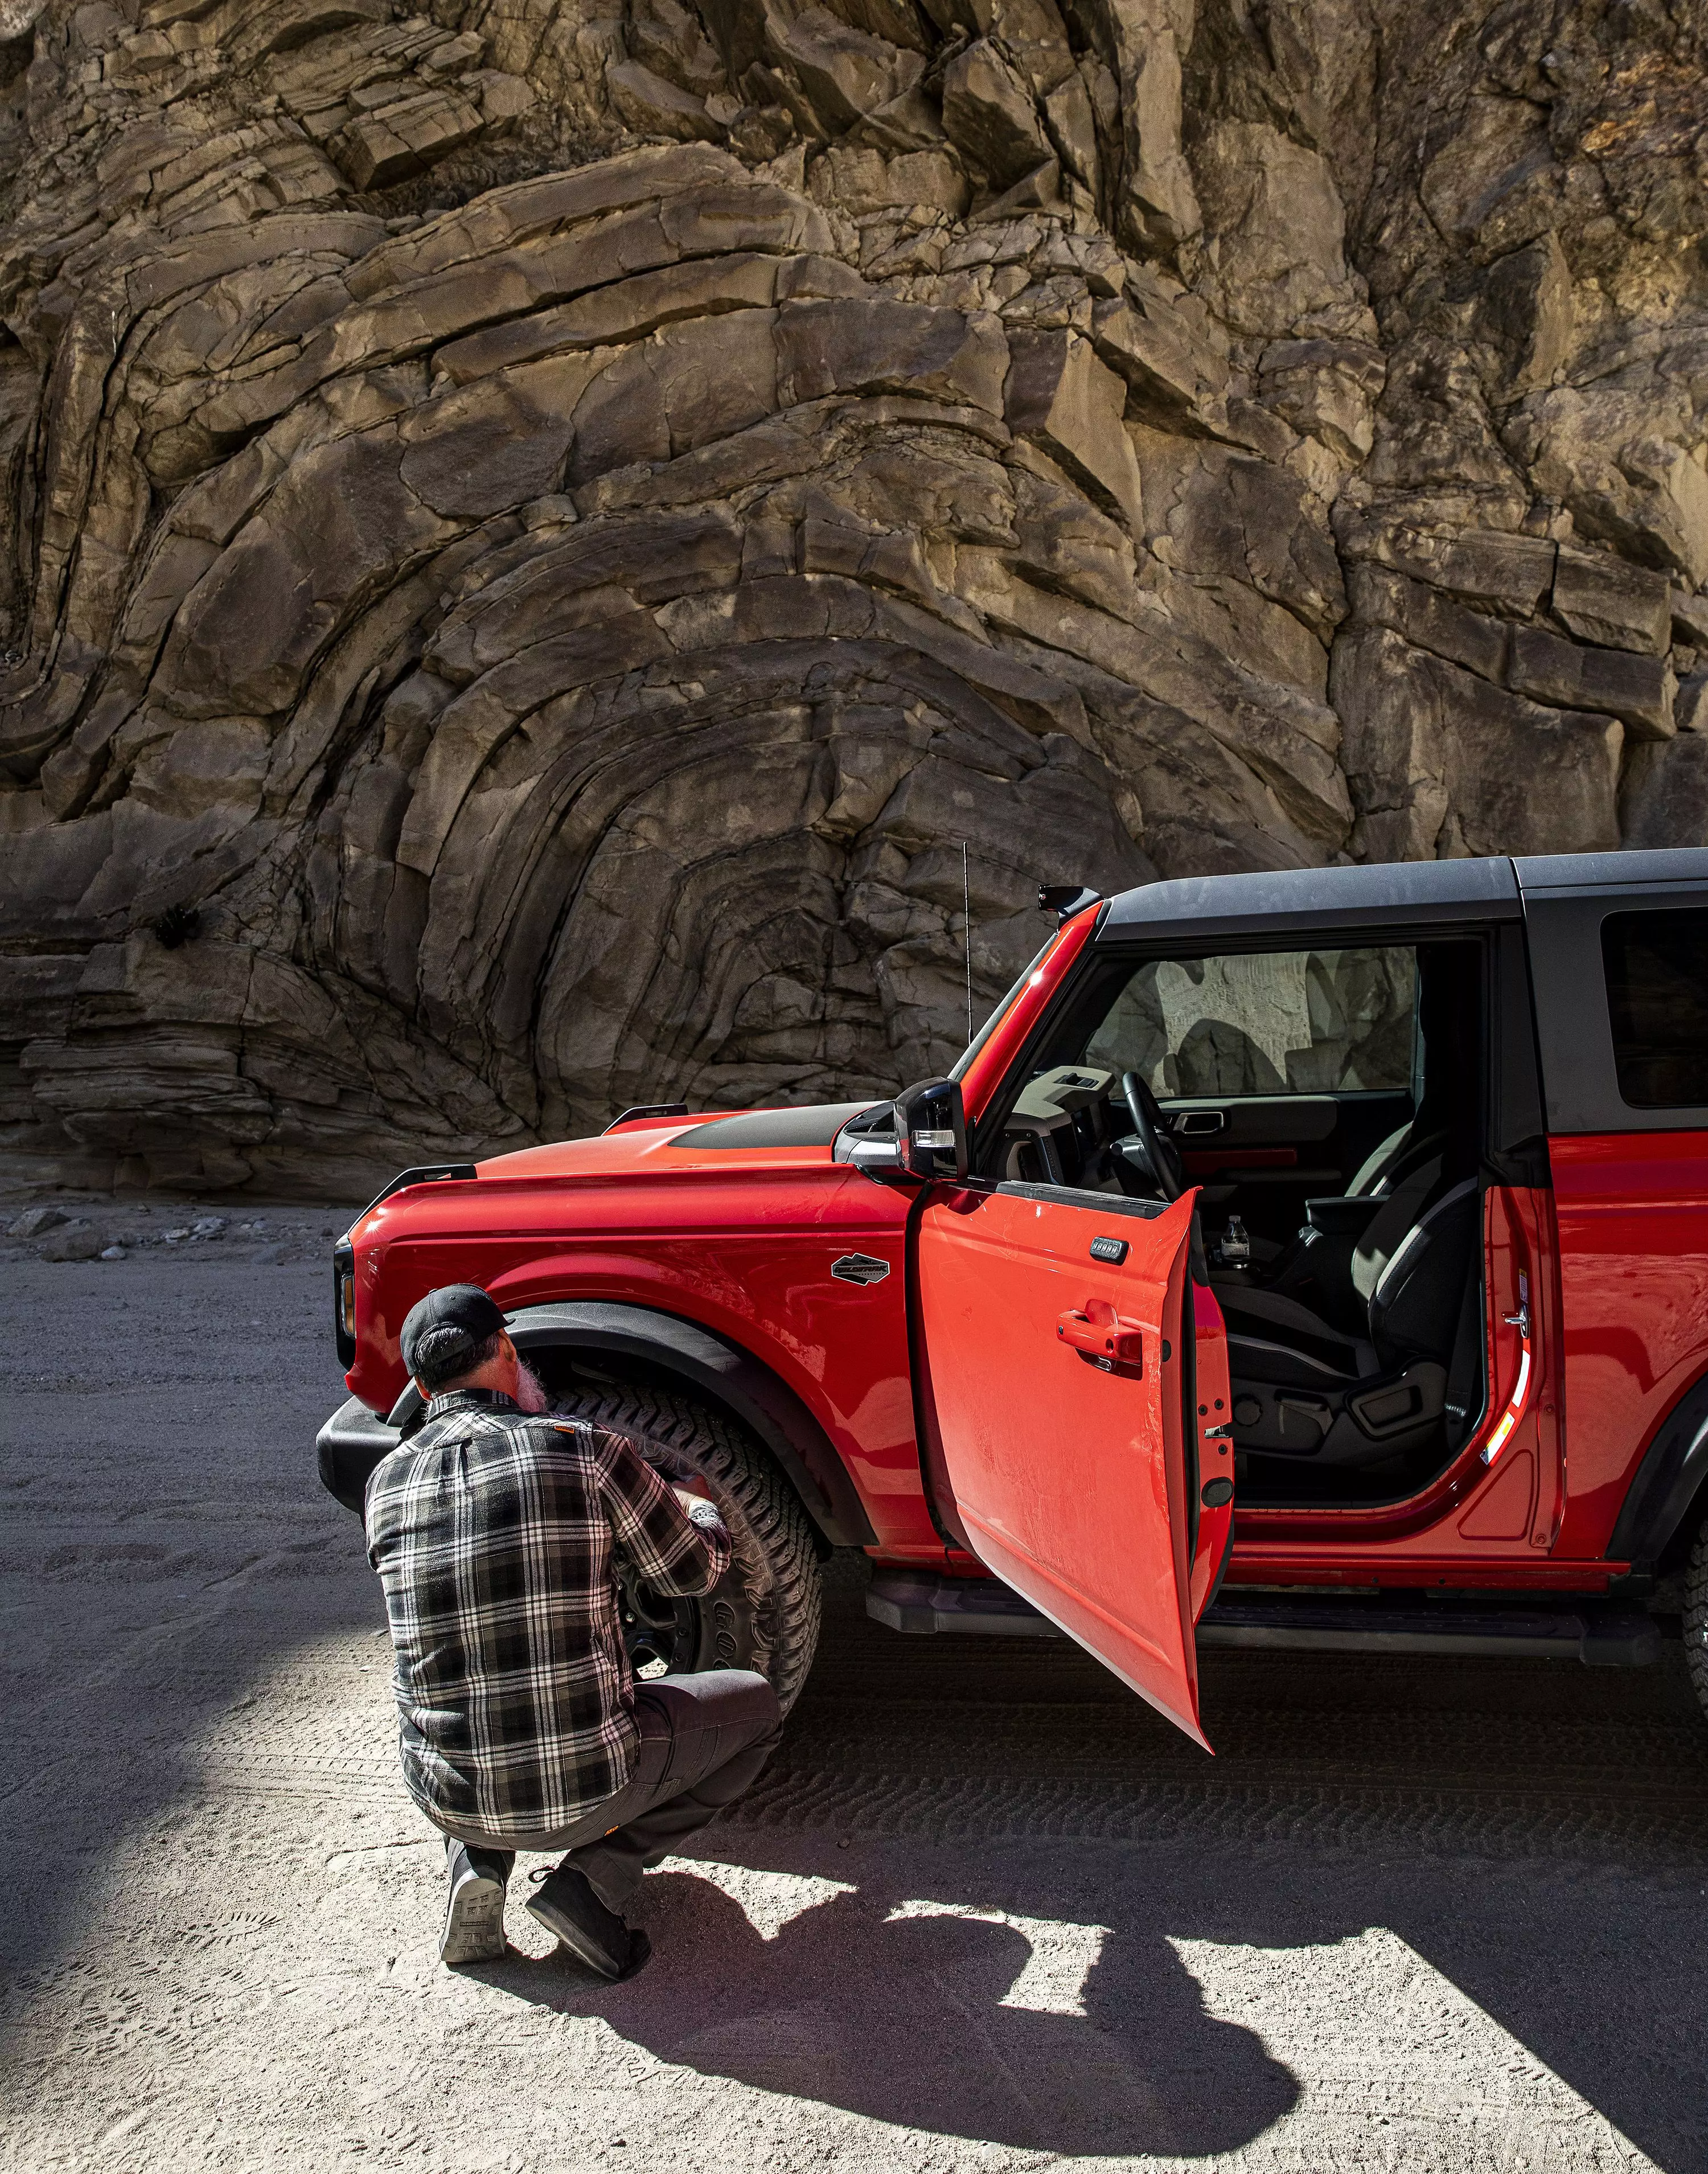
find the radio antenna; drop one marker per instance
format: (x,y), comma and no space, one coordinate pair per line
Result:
(967,936)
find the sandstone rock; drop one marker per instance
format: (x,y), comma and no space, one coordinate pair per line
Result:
(881,346)
(989,114)
(77,1241)
(1429,620)
(401,140)
(1665,800)
(1602,599)
(1280,227)
(617,315)
(1059,393)
(846,74)
(497,443)
(1637,688)
(1528,307)
(1620,456)
(1072,124)
(1438,757)
(1145,38)
(1690,618)
(33,1221)
(657,107)
(1508,573)
(500,619)
(1327,389)
(1172,377)
(672,42)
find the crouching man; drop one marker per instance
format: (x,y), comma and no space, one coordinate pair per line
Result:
(493,1529)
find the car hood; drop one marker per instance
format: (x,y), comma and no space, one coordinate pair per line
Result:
(786,1139)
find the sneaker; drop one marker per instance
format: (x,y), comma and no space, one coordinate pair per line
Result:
(474,1912)
(566,1905)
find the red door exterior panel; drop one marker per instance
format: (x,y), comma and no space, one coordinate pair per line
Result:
(1633,1216)
(1068,1462)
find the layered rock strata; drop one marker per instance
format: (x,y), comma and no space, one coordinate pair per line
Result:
(534,539)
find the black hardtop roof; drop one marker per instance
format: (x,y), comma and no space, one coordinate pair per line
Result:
(1673,865)
(1385,894)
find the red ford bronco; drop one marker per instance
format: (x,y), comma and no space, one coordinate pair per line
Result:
(1316,1258)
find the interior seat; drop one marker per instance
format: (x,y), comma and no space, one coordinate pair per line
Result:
(1342,1399)
(1393,1158)
(1345,1263)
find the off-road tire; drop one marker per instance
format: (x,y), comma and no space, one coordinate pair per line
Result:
(1696,1617)
(764,1612)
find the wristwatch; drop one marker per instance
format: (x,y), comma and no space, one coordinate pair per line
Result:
(703,1514)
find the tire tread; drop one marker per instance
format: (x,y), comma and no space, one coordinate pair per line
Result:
(1696,1617)
(739,1469)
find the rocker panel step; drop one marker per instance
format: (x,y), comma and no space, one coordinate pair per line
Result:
(917,1602)
(1595,1632)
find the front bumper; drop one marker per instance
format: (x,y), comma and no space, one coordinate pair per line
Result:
(349,1447)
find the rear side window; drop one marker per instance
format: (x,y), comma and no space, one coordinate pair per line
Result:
(1656,966)
(1265,1023)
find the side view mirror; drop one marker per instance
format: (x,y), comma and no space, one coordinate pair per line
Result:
(931,1129)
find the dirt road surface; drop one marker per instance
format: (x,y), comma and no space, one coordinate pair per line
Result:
(986,1911)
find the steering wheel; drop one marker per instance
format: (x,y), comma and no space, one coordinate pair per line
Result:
(1154,1137)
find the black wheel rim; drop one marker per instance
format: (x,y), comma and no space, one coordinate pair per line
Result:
(660,1631)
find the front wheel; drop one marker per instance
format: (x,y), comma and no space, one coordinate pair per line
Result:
(1696,1617)
(764,1613)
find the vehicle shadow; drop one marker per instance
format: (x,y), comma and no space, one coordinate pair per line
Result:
(908,2011)
(968,1993)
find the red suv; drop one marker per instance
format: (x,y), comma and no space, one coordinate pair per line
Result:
(1312,1258)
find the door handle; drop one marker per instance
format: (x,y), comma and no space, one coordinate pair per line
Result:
(1106,1344)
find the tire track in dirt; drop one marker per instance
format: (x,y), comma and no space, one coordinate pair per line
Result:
(994,1739)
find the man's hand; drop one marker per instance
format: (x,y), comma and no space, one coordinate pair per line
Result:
(695,1498)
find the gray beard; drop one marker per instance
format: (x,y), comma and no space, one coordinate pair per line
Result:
(530,1390)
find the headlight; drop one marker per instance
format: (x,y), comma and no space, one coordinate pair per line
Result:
(344,1302)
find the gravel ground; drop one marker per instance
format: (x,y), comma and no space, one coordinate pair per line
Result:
(89,1229)
(986,1911)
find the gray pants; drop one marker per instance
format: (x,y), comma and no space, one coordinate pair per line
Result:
(705,1739)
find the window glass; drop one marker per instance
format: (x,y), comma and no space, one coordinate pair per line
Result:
(1657,967)
(1265,1023)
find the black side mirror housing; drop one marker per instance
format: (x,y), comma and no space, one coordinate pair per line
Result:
(931,1130)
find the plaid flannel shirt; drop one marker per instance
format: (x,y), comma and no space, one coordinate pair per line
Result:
(493,1534)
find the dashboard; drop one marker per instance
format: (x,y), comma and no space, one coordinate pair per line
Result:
(1070,1126)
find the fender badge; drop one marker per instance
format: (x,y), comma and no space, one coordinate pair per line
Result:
(1113,1250)
(859,1268)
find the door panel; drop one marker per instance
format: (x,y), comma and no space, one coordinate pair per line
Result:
(1278,1150)
(1053,1380)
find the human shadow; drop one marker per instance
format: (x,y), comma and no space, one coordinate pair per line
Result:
(942,2015)
(911,2012)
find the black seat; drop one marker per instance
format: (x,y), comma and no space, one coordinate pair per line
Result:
(1303,1387)
(1392,1160)
(1342,1270)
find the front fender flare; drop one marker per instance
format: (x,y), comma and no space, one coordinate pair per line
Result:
(354,1441)
(726,1373)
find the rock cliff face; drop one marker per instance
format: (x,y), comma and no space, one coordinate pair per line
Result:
(533,532)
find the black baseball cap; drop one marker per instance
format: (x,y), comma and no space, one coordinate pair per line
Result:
(443,1331)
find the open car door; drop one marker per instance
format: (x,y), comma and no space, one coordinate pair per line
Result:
(1077,1413)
